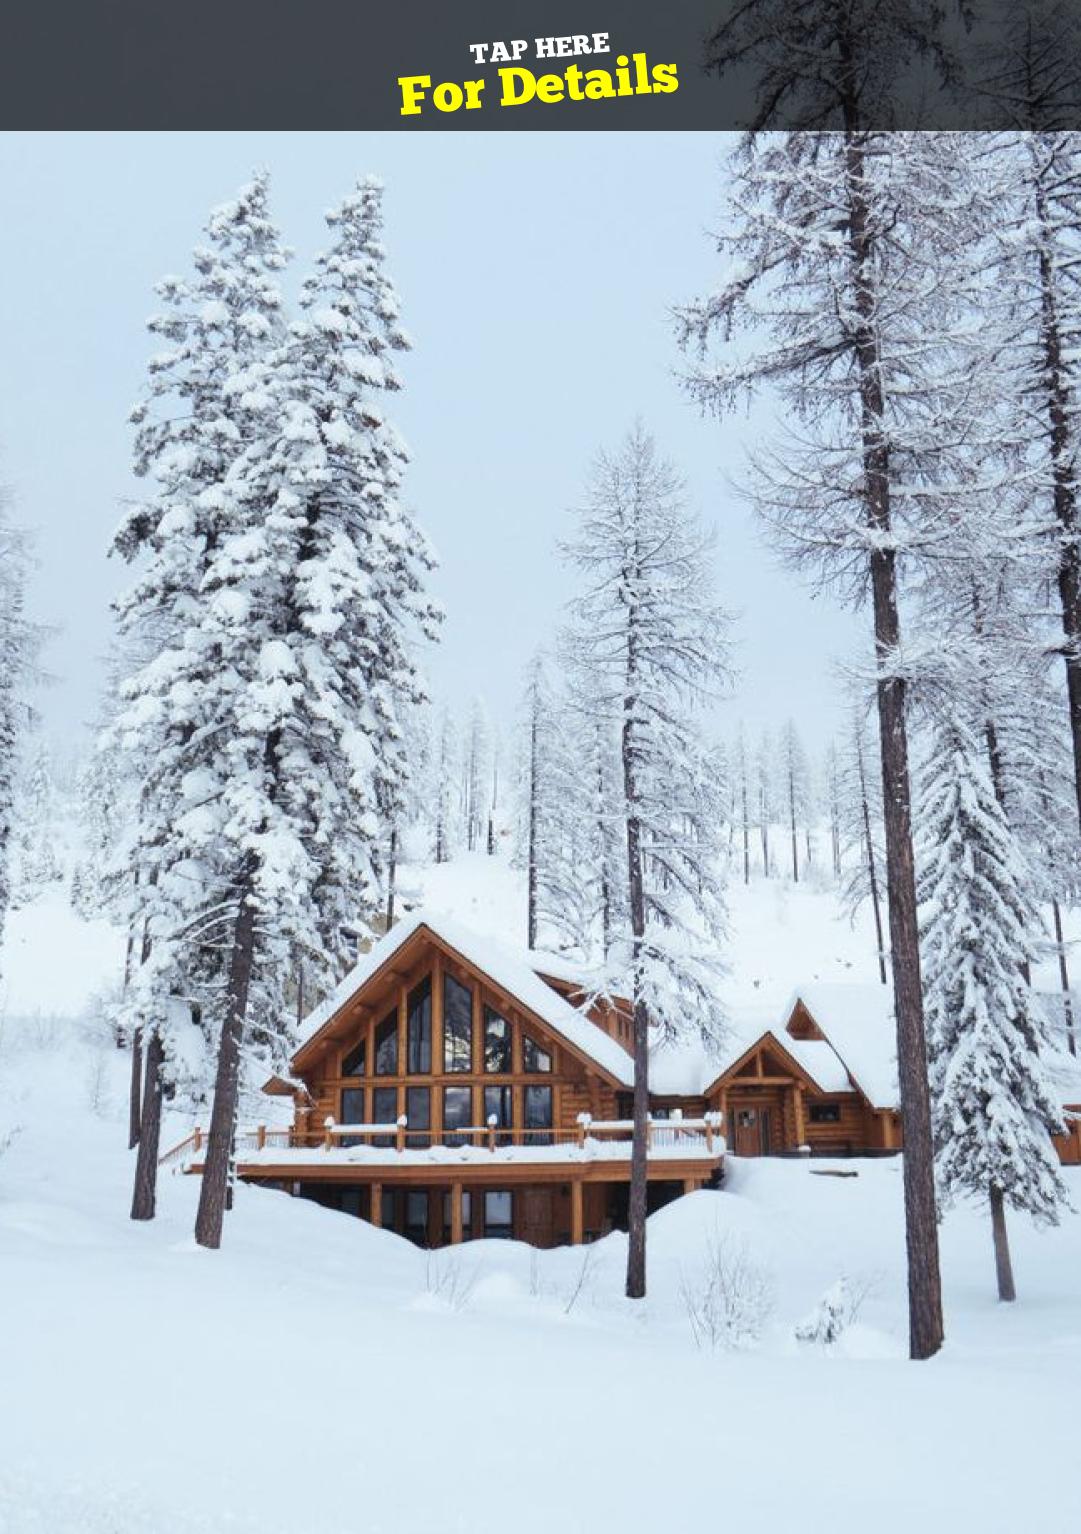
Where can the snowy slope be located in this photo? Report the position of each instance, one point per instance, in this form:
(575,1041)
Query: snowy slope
(320,1377)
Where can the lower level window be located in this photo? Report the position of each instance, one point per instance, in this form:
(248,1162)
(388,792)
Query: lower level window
(498,1215)
(416,1216)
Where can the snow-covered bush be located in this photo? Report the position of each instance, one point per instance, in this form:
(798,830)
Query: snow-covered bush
(731,1297)
(833,1315)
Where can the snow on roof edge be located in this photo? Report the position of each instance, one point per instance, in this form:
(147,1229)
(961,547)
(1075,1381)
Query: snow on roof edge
(508,969)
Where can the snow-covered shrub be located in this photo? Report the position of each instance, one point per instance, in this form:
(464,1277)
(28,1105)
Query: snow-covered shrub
(834,1314)
(730,1299)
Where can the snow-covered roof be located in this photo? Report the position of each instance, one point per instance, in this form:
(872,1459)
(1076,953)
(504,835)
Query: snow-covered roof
(857,1021)
(509,969)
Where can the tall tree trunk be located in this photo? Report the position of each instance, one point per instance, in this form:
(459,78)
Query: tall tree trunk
(144,1193)
(765,837)
(392,875)
(214,1192)
(637,1203)
(746,835)
(872,866)
(602,843)
(1064,484)
(135,1107)
(1064,976)
(792,826)
(1003,1265)
(531,872)
(921,1226)
(135,1102)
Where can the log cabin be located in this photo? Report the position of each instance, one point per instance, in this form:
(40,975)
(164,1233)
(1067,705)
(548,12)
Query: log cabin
(452,1088)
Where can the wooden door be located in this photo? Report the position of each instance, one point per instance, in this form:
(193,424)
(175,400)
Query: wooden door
(750,1129)
(535,1216)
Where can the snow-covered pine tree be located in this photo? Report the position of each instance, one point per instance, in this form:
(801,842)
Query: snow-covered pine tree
(848,264)
(796,775)
(205,398)
(19,642)
(649,645)
(315,605)
(445,811)
(39,863)
(994,1106)
(476,767)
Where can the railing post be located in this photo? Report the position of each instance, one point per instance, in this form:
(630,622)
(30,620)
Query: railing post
(649,1133)
(260,1137)
(328,1137)
(399,1138)
(491,1131)
(709,1134)
(197,1139)
(584,1121)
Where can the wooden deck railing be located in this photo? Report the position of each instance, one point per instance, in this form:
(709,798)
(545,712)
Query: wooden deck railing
(703,1133)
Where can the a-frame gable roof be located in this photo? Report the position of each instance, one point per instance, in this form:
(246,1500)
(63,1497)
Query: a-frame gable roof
(505,969)
(797,1059)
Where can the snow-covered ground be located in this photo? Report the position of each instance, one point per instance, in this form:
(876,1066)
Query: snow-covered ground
(318,1376)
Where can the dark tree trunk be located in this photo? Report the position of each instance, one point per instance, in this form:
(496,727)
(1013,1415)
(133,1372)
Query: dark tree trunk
(872,866)
(1064,485)
(214,1191)
(636,899)
(531,872)
(1064,976)
(1003,1265)
(602,843)
(135,1102)
(144,1194)
(636,1222)
(392,875)
(135,1107)
(921,1226)
(765,837)
(746,834)
(792,826)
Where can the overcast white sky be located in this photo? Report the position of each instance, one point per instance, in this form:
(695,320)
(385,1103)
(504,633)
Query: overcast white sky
(536,272)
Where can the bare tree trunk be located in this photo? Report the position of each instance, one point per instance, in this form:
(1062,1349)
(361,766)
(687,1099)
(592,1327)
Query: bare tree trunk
(637,1203)
(792,825)
(135,1107)
(1003,1265)
(872,867)
(602,843)
(392,875)
(531,872)
(1064,976)
(214,1192)
(746,834)
(135,1103)
(144,1193)
(1064,486)
(921,1226)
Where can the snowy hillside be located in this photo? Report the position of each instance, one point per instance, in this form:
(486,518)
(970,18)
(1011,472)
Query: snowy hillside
(302,1368)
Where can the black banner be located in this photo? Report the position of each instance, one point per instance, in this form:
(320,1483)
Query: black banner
(498,65)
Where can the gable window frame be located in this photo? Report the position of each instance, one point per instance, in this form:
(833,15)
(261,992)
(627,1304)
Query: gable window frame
(385,1053)
(418,1029)
(497,1043)
(457,1041)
